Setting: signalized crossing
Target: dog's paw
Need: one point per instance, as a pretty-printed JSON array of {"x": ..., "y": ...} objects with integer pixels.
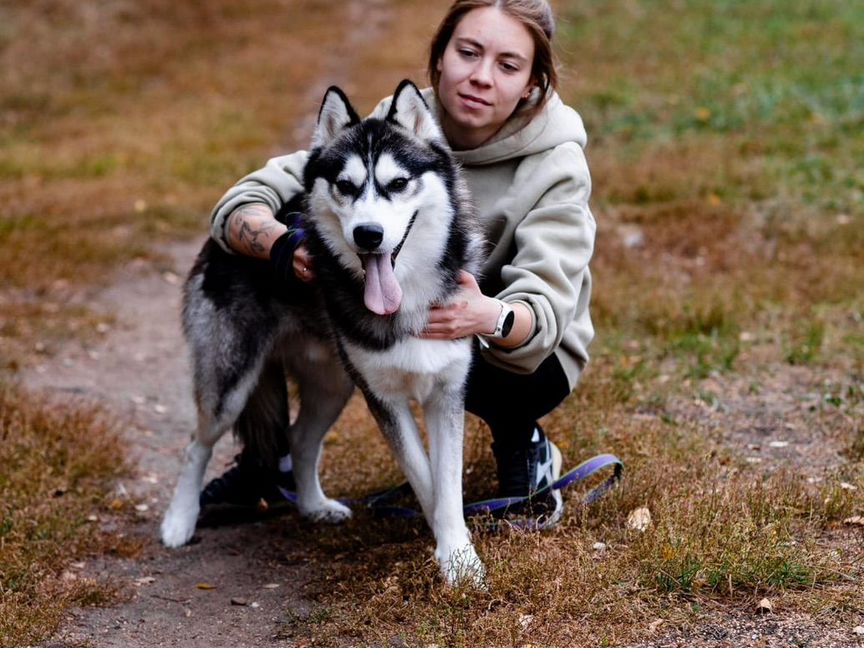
[
  {"x": 177, "y": 529},
  {"x": 328, "y": 510},
  {"x": 462, "y": 566}
]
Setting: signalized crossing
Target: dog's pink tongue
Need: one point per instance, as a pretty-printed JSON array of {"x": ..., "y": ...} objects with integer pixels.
[{"x": 383, "y": 293}]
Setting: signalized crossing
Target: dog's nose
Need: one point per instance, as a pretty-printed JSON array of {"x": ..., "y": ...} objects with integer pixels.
[{"x": 368, "y": 236}]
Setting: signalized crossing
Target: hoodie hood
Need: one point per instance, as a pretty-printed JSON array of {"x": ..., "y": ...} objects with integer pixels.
[{"x": 556, "y": 124}]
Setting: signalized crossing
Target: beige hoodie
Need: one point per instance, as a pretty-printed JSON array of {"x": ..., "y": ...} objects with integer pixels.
[{"x": 531, "y": 186}]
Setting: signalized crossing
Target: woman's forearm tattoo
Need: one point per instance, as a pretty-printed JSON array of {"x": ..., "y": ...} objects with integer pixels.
[{"x": 253, "y": 229}]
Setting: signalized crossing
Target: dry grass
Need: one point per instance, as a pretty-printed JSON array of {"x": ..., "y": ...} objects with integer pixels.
[
  {"x": 59, "y": 464},
  {"x": 725, "y": 533}
]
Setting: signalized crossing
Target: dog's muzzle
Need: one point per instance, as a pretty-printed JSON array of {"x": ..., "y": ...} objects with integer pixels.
[{"x": 368, "y": 236}]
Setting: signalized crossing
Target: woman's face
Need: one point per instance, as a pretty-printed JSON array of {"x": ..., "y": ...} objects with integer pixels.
[{"x": 485, "y": 71}]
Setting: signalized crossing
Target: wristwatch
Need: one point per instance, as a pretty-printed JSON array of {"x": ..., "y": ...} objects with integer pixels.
[{"x": 505, "y": 322}]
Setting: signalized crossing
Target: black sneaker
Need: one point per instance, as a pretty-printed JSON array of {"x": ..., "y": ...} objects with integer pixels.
[
  {"x": 247, "y": 484},
  {"x": 531, "y": 472}
]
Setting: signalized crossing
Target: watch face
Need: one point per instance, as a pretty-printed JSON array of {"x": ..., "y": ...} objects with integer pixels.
[{"x": 508, "y": 323}]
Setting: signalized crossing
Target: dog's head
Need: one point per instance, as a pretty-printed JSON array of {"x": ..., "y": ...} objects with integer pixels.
[{"x": 369, "y": 180}]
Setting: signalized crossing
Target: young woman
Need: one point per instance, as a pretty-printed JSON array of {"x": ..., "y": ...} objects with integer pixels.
[{"x": 493, "y": 91}]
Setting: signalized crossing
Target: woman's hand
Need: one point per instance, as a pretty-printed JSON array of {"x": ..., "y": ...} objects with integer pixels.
[
  {"x": 468, "y": 313},
  {"x": 303, "y": 264}
]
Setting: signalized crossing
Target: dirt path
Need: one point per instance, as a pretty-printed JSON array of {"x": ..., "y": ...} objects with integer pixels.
[{"x": 139, "y": 369}]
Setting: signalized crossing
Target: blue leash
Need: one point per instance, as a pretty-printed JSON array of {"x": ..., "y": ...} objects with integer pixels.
[{"x": 378, "y": 501}]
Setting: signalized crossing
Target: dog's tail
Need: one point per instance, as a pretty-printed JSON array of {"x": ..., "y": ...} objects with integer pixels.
[{"x": 263, "y": 424}]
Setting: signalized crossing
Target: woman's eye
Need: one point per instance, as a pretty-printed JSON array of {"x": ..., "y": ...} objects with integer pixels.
[
  {"x": 397, "y": 185},
  {"x": 467, "y": 53},
  {"x": 345, "y": 187}
]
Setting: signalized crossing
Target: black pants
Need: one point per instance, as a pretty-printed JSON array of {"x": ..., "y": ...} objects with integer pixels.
[{"x": 511, "y": 403}]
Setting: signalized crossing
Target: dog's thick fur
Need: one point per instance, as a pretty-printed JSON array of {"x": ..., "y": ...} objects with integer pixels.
[{"x": 389, "y": 228}]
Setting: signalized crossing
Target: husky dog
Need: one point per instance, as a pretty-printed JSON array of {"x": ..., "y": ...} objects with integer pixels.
[{"x": 389, "y": 227}]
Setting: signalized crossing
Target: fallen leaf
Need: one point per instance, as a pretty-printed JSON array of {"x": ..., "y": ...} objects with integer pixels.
[
  {"x": 599, "y": 546},
  {"x": 205, "y": 586},
  {"x": 116, "y": 504},
  {"x": 855, "y": 519},
  {"x": 847, "y": 486},
  {"x": 778, "y": 444},
  {"x": 239, "y": 601},
  {"x": 525, "y": 620},
  {"x": 859, "y": 630},
  {"x": 271, "y": 586},
  {"x": 652, "y": 627},
  {"x": 144, "y": 580},
  {"x": 639, "y": 519},
  {"x": 765, "y": 606}
]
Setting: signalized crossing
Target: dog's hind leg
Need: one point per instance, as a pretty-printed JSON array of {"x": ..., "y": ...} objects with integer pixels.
[
  {"x": 219, "y": 406},
  {"x": 445, "y": 420},
  {"x": 178, "y": 525},
  {"x": 324, "y": 389}
]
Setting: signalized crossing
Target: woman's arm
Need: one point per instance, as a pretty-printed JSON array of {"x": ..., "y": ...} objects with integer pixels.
[
  {"x": 259, "y": 195},
  {"x": 546, "y": 280},
  {"x": 473, "y": 313},
  {"x": 252, "y": 230},
  {"x": 554, "y": 243}
]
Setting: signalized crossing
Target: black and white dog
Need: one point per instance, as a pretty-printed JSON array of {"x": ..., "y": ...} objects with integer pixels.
[{"x": 389, "y": 227}]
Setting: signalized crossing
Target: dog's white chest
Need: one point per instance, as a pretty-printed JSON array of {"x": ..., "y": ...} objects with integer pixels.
[{"x": 412, "y": 367}]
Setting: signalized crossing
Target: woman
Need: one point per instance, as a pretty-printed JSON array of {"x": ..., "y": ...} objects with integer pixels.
[{"x": 493, "y": 91}]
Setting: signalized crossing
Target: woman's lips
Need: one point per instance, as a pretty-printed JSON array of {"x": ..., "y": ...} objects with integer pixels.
[{"x": 471, "y": 100}]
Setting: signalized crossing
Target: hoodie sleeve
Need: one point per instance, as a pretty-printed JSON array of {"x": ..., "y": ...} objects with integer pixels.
[
  {"x": 280, "y": 180},
  {"x": 553, "y": 245}
]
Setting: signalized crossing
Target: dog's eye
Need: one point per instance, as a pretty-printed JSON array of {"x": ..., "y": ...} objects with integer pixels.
[
  {"x": 346, "y": 187},
  {"x": 397, "y": 185}
]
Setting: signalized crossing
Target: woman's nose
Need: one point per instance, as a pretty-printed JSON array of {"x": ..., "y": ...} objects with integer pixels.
[{"x": 482, "y": 73}]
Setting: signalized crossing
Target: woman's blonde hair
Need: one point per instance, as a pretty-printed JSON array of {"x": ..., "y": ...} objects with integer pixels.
[{"x": 538, "y": 19}]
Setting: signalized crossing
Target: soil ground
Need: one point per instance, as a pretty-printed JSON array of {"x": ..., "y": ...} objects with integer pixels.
[
  {"x": 139, "y": 370},
  {"x": 254, "y": 574}
]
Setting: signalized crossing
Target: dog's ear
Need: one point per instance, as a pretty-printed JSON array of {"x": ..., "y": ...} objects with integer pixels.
[
  {"x": 336, "y": 113},
  {"x": 409, "y": 110}
]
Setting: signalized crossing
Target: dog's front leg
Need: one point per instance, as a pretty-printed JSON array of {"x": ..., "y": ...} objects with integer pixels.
[
  {"x": 445, "y": 421},
  {"x": 399, "y": 428}
]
